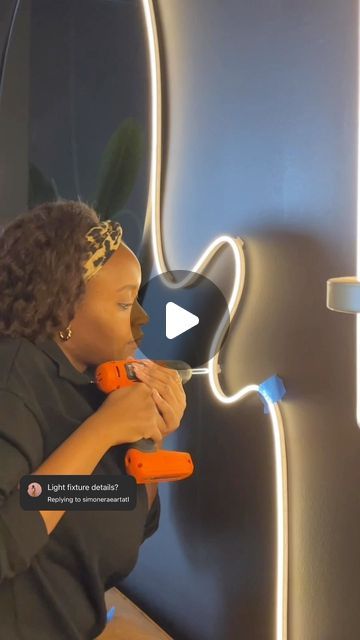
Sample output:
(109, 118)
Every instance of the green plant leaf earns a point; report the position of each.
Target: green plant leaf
(40, 188)
(119, 168)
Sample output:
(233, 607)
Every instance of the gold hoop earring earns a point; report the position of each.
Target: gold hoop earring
(68, 334)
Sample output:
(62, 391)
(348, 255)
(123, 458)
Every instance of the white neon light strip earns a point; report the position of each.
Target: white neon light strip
(236, 244)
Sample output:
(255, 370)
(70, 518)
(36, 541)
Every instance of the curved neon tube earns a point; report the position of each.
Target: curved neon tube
(236, 245)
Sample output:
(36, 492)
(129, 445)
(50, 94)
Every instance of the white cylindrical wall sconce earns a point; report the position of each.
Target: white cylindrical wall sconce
(343, 294)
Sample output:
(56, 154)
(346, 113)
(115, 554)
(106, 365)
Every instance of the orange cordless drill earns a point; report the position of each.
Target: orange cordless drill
(143, 460)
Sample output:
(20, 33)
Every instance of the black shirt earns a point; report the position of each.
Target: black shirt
(52, 585)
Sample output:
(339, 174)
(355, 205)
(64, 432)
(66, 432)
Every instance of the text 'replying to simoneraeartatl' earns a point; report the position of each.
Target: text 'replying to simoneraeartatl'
(78, 492)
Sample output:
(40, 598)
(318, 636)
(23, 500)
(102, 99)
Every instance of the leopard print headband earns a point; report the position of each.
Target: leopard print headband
(103, 240)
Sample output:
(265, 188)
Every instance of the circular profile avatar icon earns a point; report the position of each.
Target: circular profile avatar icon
(34, 489)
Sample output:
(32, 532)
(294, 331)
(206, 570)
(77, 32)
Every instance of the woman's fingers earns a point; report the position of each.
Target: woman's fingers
(157, 435)
(161, 377)
(166, 410)
(168, 388)
(161, 371)
(166, 382)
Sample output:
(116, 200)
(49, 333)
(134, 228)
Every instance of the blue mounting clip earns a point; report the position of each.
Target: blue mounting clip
(271, 390)
(110, 614)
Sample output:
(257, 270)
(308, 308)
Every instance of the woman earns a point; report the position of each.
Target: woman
(68, 287)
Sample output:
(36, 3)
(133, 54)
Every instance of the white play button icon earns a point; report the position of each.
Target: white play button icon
(182, 321)
(178, 320)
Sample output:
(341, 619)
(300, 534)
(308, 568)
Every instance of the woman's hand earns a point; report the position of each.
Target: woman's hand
(129, 414)
(167, 391)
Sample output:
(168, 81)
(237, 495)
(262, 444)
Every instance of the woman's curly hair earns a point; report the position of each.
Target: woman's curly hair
(42, 253)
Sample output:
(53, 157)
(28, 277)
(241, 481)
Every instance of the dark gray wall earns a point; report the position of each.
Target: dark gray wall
(75, 71)
(262, 122)
(14, 106)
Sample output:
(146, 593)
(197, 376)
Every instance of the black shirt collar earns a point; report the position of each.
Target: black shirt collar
(65, 368)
